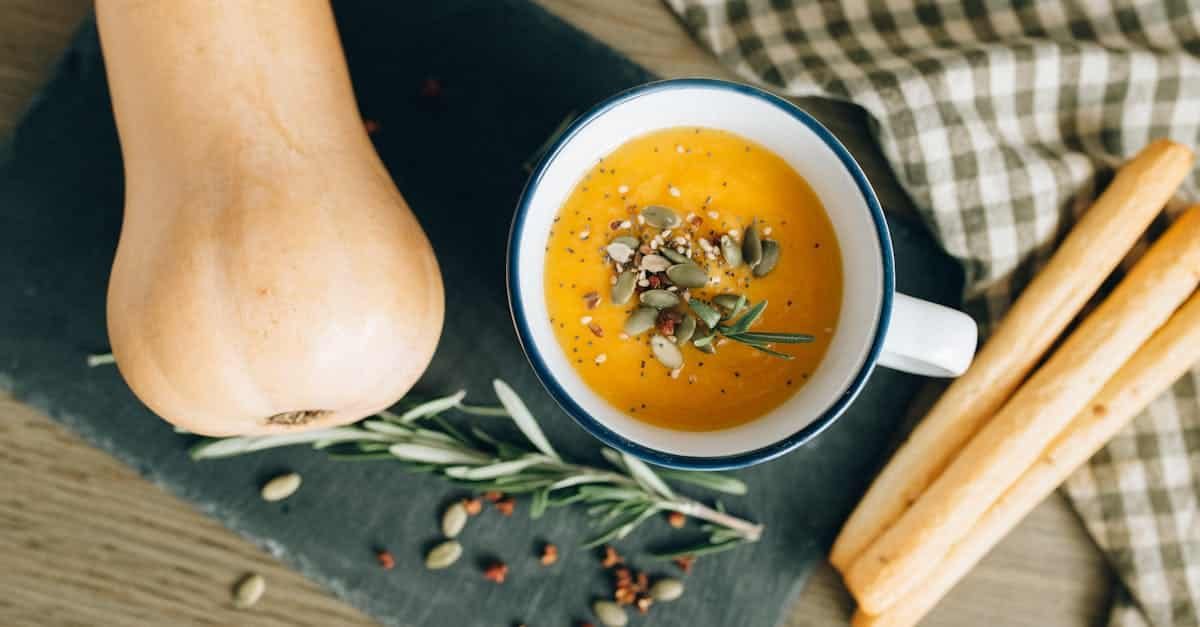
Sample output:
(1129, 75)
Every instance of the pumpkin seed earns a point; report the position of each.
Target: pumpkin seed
(731, 303)
(666, 352)
(659, 299)
(443, 555)
(687, 275)
(655, 263)
(770, 257)
(674, 256)
(281, 487)
(731, 251)
(627, 240)
(619, 252)
(610, 614)
(454, 519)
(752, 245)
(660, 217)
(685, 330)
(249, 590)
(641, 321)
(622, 290)
(666, 590)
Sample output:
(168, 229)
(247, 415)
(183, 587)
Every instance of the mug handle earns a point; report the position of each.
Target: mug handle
(928, 339)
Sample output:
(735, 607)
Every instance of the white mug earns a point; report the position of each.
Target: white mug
(876, 324)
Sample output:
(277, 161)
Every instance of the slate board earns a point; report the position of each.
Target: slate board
(510, 73)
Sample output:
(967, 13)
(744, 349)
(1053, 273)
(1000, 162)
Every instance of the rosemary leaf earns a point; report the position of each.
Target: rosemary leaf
(493, 471)
(748, 319)
(697, 550)
(538, 505)
(645, 476)
(228, 447)
(780, 338)
(710, 480)
(480, 410)
(525, 421)
(771, 352)
(437, 454)
(384, 426)
(436, 406)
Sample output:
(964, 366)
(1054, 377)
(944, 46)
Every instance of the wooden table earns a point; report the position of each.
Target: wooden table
(85, 541)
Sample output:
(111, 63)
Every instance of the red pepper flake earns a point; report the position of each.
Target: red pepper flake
(372, 126)
(666, 327)
(614, 225)
(696, 221)
(624, 577)
(611, 558)
(685, 563)
(591, 299)
(655, 281)
(549, 554)
(625, 596)
(493, 496)
(676, 520)
(643, 604)
(431, 89)
(596, 329)
(505, 506)
(583, 623)
(496, 572)
(386, 560)
(473, 506)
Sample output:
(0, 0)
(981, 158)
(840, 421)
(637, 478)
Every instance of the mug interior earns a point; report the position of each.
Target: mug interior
(849, 202)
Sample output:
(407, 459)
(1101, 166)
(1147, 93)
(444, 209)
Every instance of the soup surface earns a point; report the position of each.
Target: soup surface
(710, 189)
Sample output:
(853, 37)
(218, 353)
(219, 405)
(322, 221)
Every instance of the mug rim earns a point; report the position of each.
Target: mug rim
(581, 416)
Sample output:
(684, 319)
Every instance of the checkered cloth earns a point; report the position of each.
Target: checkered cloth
(1002, 120)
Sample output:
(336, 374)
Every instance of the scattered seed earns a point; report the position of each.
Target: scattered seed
(770, 258)
(622, 290)
(731, 251)
(610, 614)
(766, 232)
(659, 299)
(472, 506)
(624, 189)
(596, 329)
(685, 563)
(591, 299)
(675, 373)
(674, 191)
(585, 234)
(453, 520)
(666, 590)
(601, 358)
(659, 217)
(752, 246)
(549, 554)
(443, 555)
(493, 496)
(281, 487)
(679, 148)
(687, 275)
(626, 224)
(496, 572)
(611, 557)
(249, 590)
(386, 560)
(641, 321)
(586, 320)
(666, 352)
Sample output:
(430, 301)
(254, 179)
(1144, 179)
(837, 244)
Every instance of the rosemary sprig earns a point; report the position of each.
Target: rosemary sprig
(619, 498)
(739, 331)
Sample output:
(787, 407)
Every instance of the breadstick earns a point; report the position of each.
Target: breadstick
(1094, 247)
(1014, 438)
(1150, 372)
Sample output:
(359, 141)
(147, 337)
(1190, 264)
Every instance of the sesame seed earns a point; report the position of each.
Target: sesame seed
(644, 283)
(675, 373)
(691, 378)
(734, 232)
(679, 149)
(641, 219)
(674, 191)
(624, 189)
(601, 358)
(585, 320)
(625, 224)
(623, 336)
(767, 231)
(585, 234)
(714, 215)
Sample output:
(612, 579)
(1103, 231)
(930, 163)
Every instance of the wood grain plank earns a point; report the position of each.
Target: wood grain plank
(88, 542)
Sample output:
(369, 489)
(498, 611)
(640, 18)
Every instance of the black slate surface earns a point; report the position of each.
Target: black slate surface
(510, 73)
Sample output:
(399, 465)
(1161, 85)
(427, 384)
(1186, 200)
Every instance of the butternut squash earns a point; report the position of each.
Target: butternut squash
(269, 275)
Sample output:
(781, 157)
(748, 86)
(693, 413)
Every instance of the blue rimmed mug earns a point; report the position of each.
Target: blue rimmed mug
(876, 324)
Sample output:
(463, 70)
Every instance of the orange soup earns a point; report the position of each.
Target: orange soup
(693, 279)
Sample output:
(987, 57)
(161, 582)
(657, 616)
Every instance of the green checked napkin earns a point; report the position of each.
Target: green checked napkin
(1002, 120)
